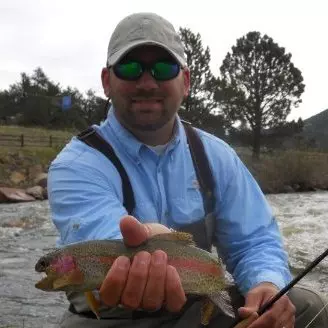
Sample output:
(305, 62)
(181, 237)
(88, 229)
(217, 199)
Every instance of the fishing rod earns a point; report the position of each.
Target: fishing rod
(283, 291)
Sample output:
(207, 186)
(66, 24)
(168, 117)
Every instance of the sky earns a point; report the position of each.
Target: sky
(68, 39)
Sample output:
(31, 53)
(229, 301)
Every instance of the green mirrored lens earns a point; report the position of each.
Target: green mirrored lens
(165, 70)
(129, 70)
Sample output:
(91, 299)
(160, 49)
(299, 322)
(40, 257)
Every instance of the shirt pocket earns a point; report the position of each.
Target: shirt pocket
(187, 203)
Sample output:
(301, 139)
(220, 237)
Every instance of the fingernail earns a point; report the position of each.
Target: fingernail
(159, 258)
(122, 263)
(142, 259)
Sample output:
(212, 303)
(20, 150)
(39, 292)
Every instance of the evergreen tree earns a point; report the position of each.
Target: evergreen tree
(259, 85)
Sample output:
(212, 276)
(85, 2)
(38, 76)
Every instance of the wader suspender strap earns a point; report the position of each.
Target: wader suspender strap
(201, 165)
(94, 140)
(198, 154)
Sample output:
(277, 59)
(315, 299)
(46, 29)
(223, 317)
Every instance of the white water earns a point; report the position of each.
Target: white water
(26, 232)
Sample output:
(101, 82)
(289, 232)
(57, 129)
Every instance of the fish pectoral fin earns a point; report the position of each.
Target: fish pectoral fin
(93, 303)
(222, 300)
(178, 236)
(207, 311)
(74, 277)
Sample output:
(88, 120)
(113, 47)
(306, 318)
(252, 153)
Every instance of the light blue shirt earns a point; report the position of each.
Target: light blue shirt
(85, 195)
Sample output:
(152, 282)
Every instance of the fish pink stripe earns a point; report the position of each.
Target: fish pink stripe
(196, 265)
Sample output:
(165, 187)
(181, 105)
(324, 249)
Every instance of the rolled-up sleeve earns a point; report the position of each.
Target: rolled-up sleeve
(84, 203)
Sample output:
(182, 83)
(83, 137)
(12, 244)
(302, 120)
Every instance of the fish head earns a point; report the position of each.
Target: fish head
(61, 272)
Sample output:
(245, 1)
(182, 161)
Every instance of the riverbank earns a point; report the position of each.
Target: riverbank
(278, 172)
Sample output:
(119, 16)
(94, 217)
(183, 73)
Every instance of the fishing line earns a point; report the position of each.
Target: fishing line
(316, 315)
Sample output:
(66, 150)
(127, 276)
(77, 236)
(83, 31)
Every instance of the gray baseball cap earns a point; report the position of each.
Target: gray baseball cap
(144, 29)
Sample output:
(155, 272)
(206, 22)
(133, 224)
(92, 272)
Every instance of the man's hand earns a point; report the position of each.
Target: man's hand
(146, 282)
(280, 315)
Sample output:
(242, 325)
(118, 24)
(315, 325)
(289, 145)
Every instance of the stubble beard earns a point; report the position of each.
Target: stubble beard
(131, 121)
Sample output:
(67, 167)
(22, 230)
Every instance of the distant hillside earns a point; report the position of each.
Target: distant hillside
(316, 127)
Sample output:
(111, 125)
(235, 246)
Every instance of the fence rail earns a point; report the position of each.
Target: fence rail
(22, 140)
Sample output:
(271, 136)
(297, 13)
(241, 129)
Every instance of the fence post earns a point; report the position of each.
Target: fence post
(50, 141)
(22, 140)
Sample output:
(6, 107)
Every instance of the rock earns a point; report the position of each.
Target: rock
(45, 193)
(41, 180)
(17, 177)
(34, 171)
(287, 189)
(36, 191)
(14, 195)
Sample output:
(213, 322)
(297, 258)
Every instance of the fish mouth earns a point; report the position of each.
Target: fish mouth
(46, 282)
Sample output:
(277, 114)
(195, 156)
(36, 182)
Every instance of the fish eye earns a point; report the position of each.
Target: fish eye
(42, 265)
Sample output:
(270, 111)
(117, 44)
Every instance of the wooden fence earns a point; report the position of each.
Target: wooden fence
(22, 140)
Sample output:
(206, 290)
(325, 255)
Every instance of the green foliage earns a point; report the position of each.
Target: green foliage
(200, 107)
(259, 85)
(36, 101)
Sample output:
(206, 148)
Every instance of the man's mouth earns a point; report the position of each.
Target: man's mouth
(147, 100)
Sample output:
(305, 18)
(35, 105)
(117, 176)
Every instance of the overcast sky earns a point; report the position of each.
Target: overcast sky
(69, 38)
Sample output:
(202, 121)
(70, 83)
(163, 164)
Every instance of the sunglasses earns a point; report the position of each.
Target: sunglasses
(132, 70)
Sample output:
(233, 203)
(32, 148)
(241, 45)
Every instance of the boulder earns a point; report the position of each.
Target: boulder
(36, 192)
(17, 178)
(14, 195)
(41, 180)
(34, 171)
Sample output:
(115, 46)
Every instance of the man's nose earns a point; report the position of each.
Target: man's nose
(147, 82)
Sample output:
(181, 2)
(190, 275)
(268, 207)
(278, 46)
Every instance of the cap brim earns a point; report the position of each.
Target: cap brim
(115, 58)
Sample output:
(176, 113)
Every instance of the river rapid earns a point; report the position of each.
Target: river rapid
(26, 233)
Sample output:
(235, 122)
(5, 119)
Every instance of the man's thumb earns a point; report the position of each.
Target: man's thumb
(135, 233)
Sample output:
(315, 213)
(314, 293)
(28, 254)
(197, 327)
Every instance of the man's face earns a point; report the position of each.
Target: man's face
(146, 104)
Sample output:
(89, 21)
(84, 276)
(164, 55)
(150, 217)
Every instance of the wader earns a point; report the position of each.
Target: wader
(307, 303)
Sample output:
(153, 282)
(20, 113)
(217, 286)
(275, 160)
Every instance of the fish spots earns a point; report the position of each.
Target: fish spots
(106, 259)
(196, 266)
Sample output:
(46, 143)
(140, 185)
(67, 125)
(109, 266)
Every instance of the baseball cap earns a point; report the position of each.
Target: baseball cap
(144, 29)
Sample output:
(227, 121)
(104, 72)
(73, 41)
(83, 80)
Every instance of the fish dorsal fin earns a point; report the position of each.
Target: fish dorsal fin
(179, 237)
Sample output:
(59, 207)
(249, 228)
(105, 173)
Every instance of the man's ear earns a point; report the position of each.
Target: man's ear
(105, 80)
(186, 81)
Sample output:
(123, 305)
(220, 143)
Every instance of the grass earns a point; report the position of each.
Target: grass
(295, 170)
(276, 172)
(39, 132)
(19, 159)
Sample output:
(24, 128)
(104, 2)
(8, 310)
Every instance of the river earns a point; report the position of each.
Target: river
(26, 232)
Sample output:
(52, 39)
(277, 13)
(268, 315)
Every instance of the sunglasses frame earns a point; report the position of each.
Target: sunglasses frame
(145, 67)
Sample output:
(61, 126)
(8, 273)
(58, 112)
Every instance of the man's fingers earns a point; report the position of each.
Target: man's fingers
(174, 294)
(281, 314)
(113, 285)
(137, 279)
(154, 292)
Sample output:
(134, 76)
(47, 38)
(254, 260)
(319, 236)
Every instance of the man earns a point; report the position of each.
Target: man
(146, 78)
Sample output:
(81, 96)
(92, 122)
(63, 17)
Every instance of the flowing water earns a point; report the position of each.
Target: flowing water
(26, 232)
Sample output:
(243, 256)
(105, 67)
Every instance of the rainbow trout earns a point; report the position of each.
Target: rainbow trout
(82, 267)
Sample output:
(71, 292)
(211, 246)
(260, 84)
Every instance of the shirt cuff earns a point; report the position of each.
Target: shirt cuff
(271, 277)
